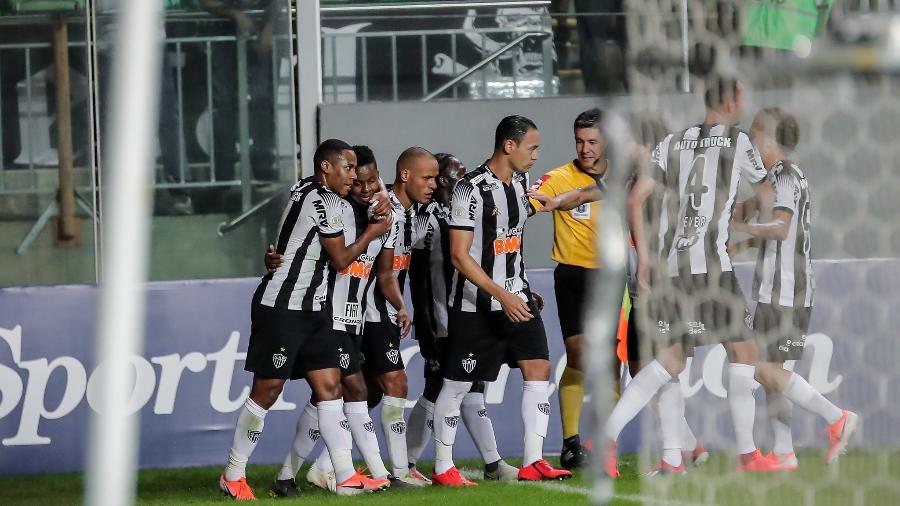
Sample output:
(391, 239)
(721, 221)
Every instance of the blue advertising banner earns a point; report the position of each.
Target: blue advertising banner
(190, 379)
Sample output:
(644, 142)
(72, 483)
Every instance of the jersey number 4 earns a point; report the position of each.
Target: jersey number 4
(695, 189)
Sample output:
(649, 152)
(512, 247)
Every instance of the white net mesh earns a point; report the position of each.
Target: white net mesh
(845, 96)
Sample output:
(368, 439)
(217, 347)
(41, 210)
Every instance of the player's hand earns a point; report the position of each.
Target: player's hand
(404, 321)
(515, 308)
(379, 227)
(739, 226)
(538, 300)
(272, 259)
(548, 203)
(381, 205)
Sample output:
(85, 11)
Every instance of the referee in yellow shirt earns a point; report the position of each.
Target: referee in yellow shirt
(575, 249)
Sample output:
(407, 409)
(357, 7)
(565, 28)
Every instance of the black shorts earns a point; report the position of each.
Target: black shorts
(479, 343)
(287, 343)
(432, 350)
(632, 345)
(782, 330)
(570, 284)
(381, 349)
(696, 310)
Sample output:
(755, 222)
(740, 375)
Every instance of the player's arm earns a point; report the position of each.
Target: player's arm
(745, 210)
(568, 200)
(637, 198)
(341, 255)
(390, 287)
(786, 196)
(460, 244)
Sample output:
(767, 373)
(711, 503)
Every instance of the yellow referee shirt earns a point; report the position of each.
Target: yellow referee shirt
(574, 239)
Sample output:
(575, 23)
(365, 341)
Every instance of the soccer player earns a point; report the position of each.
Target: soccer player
(415, 181)
(575, 251)
(347, 291)
(700, 170)
(783, 287)
(290, 322)
(493, 317)
(430, 274)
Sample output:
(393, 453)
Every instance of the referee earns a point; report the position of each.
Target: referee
(575, 250)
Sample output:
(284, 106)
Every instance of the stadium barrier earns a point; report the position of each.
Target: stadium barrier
(190, 379)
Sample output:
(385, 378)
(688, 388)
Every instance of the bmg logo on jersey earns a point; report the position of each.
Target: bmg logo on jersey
(508, 241)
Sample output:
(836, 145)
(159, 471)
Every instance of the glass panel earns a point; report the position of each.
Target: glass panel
(37, 245)
(225, 137)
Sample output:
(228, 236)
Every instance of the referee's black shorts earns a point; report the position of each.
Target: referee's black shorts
(479, 343)
(570, 284)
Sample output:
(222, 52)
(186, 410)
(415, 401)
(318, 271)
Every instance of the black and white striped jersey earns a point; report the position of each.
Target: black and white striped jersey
(784, 274)
(300, 282)
(349, 287)
(432, 269)
(378, 309)
(496, 213)
(701, 169)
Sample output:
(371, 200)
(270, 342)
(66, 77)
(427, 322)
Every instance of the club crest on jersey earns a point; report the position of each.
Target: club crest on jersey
(314, 434)
(345, 360)
(468, 364)
(393, 356)
(451, 421)
(253, 435)
(398, 427)
(544, 408)
(345, 425)
(369, 426)
(278, 360)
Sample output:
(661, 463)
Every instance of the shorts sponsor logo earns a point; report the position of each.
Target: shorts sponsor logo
(369, 426)
(434, 365)
(468, 364)
(398, 427)
(696, 328)
(253, 435)
(345, 360)
(314, 434)
(278, 360)
(393, 356)
(345, 425)
(482, 413)
(662, 327)
(451, 421)
(544, 408)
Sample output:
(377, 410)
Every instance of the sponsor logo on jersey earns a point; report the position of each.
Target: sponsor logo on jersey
(398, 427)
(357, 269)
(683, 242)
(278, 360)
(401, 262)
(544, 408)
(253, 435)
(508, 245)
(707, 142)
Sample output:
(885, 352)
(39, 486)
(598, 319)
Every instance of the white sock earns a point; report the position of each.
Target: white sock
(474, 415)
(804, 395)
(420, 429)
(446, 416)
(637, 394)
(335, 430)
(780, 414)
(363, 429)
(742, 405)
(304, 440)
(246, 434)
(688, 440)
(323, 461)
(671, 422)
(535, 416)
(393, 424)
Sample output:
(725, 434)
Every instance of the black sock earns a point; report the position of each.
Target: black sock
(493, 466)
(572, 442)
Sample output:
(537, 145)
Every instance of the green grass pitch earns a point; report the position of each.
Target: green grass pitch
(859, 478)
